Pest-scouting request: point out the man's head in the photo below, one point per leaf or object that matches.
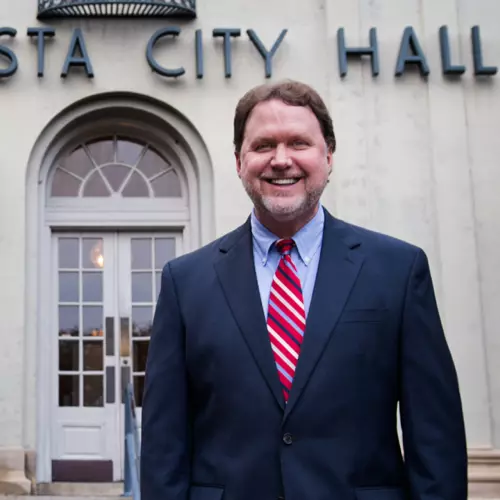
(284, 143)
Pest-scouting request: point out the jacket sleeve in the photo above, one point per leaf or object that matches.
(165, 456)
(432, 422)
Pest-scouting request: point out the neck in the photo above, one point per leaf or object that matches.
(285, 226)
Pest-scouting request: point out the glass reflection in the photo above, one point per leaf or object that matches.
(68, 321)
(128, 151)
(116, 175)
(64, 184)
(164, 251)
(78, 163)
(142, 319)
(102, 151)
(158, 284)
(141, 253)
(92, 287)
(69, 390)
(93, 353)
(152, 164)
(136, 187)
(167, 185)
(92, 253)
(140, 355)
(138, 389)
(68, 355)
(68, 287)
(95, 186)
(93, 390)
(68, 253)
(142, 287)
(92, 321)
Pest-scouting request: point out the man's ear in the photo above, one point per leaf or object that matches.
(329, 160)
(237, 156)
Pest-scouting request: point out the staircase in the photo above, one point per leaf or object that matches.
(99, 491)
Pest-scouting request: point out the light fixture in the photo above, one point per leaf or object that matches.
(96, 255)
(48, 9)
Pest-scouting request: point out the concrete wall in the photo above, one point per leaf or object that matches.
(414, 161)
(417, 158)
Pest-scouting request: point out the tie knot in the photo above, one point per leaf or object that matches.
(285, 246)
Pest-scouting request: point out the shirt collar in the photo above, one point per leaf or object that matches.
(307, 240)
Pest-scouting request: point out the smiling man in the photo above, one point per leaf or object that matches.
(281, 351)
(284, 161)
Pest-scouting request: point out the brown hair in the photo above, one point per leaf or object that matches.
(290, 92)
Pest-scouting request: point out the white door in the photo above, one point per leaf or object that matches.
(105, 291)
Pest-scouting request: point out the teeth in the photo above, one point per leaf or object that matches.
(283, 181)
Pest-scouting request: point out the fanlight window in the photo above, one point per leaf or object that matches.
(117, 167)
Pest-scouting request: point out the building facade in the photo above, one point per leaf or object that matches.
(116, 155)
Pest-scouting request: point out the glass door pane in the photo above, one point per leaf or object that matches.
(144, 256)
(80, 304)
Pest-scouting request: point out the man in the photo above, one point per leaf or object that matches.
(281, 351)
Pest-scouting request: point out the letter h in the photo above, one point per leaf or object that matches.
(371, 51)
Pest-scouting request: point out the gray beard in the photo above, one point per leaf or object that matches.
(285, 211)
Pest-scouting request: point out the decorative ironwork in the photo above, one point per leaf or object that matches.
(116, 8)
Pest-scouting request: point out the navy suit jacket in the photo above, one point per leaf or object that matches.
(215, 425)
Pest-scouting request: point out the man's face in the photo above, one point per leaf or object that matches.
(284, 162)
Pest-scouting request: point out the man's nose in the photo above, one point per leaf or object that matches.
(281, 157)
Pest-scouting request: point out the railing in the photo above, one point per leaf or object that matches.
(132, 447)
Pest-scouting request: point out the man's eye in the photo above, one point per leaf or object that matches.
(299, 143)
(265, 146)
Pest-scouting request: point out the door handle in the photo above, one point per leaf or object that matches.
(124, 337)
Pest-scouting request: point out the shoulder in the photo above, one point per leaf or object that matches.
(380, 240)
(393, 261)
(374, 244)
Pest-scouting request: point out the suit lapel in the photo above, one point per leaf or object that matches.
(339, 265)
(236, 273)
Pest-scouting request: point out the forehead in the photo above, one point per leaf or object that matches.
(276, 117)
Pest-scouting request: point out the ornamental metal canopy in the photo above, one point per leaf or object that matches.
(116, 8)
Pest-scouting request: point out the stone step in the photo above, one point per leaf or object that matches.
(99, 490)
(73, 491)
(63, 497)
(106, 497)
(119, 497)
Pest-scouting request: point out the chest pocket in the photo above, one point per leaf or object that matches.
(363, 315)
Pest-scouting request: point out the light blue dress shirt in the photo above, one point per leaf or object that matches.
(305, 255)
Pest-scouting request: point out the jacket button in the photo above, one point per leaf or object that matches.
(287, 438)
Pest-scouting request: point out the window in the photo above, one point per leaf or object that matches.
(81, 321)
(115, 167)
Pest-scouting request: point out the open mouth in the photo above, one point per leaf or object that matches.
(283, 182)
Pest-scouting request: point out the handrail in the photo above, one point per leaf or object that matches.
(132, 447)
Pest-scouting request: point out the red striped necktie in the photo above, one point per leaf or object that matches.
(286, 318)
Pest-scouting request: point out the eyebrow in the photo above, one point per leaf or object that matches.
(270, 138)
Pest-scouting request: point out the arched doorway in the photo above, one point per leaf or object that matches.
(119, 195)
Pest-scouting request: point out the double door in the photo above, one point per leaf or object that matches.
(105, 291)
